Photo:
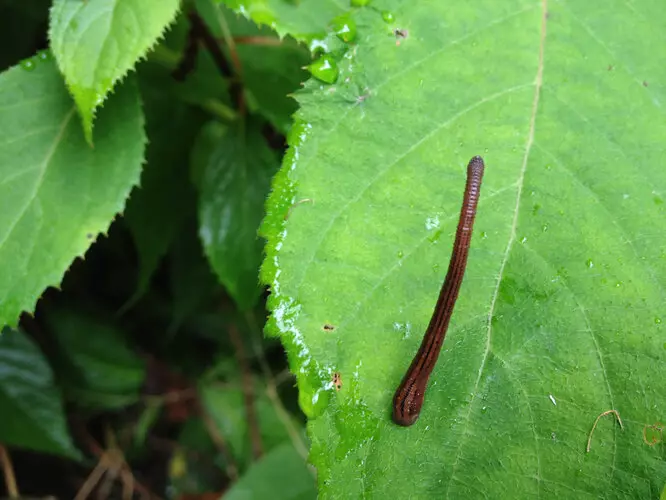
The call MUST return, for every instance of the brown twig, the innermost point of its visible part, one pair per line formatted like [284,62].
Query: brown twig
[220,443]
[258,40]
[112,463]
[248,393]
[189,59]
[201,32]
[608,412]
[8,472]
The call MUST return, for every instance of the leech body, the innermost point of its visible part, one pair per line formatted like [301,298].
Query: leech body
[408,398]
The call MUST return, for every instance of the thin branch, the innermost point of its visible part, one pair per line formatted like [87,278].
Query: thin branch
[202,33]
[258,40]
[8,472]
[220,443]
[248,393]
[271,390]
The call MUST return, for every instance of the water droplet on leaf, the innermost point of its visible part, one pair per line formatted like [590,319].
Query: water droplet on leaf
[325,69]
[388,16]
[28,64]
[345,28]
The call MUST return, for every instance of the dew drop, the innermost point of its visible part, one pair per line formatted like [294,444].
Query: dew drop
[485,150]
[657,320]
[345,28]
[435,267]
[544,228]
[484,409]
[618,284]
[401,254]
[484,235]
[325,69]
[388,16]
[28,64]
[589,263]
[523,239]
[549,166]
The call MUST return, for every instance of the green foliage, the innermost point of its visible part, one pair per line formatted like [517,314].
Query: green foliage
[32,413]
[280,475]
[559,317]
[145,341]
[305,20]
[232,169]
[57,193]
[97,43]
[96,366]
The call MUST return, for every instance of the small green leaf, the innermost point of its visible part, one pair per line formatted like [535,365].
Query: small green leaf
[233,167]
[305,20]
[56,193]
[94,363]
[32,415]
[97,42]
[281,474]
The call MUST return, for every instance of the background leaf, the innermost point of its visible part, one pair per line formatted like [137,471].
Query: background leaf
[97,43]
[57,193]
[95,364]
[157,209]
[233,167]
[32,413]
[560,315]
[281,474]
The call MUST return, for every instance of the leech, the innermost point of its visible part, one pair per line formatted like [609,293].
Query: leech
[408,399]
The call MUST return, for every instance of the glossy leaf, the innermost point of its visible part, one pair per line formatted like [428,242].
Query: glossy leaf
[97,42]
[561,314]
[233,167]
[56,193]
[32,416]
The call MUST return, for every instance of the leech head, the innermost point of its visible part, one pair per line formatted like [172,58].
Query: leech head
[407,402]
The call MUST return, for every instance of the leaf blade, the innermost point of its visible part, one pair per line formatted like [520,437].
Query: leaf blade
[541,342]
[97,43]
[57,192]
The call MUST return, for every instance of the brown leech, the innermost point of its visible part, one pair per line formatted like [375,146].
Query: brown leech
[408,398]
